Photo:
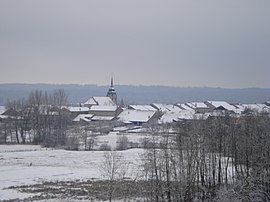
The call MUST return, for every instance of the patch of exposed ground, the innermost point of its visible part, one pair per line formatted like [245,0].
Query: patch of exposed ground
[84,191]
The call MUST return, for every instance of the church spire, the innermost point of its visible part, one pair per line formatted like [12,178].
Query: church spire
[111,81]
[111,92]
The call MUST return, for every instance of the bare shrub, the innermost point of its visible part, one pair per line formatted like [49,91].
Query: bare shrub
[72,143]
[105,147]
[122,143]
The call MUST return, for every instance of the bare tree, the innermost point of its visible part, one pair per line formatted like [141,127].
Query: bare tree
[122,142]
[60,120]
[114,167]
[3,133]
[39,116]
[15,119]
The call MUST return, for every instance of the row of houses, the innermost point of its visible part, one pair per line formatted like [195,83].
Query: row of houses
[104,109]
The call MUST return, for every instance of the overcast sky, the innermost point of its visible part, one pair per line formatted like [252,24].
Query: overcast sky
[141,42]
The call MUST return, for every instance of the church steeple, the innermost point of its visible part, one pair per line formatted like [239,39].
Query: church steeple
[111,81]
[111,92]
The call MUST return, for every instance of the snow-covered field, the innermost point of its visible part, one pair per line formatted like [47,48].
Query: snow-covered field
[28,164]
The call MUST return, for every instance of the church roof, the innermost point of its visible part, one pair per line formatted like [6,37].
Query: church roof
[101,101]
[91,101]
[104,101]
[103,108]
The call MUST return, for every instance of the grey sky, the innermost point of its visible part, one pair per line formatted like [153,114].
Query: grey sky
[147,42]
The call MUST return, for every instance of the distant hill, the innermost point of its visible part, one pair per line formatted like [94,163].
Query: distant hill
[140,94]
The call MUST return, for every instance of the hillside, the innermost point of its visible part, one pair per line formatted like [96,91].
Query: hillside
[140,94]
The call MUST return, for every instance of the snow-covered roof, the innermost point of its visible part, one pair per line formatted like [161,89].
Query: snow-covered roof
[240,108]
[3,117]
[173,108]
[257,107]
[102,101]
[102,118]
[224,104]
[130,116]
[160,107]
[103,108]
[143,107]
[186,114]
[185,107]
[263,106]
[168,118]
[84,117]
[78,109]
[166,107]
[91,101]
[2,109]
[196,105]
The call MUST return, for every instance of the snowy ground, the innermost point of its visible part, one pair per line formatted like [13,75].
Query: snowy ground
[28,164]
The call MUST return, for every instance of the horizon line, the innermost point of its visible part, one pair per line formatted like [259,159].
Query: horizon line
[133,85]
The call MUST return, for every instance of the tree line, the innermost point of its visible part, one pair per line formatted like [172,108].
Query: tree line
[39,119]
[218,159]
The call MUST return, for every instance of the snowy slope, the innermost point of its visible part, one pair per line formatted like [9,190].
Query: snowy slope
[24,164]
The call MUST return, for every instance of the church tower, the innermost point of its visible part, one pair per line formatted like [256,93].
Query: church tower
[111,92]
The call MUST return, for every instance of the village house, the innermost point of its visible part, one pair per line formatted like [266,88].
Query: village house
[199,107]
[221,106]
[138,117]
